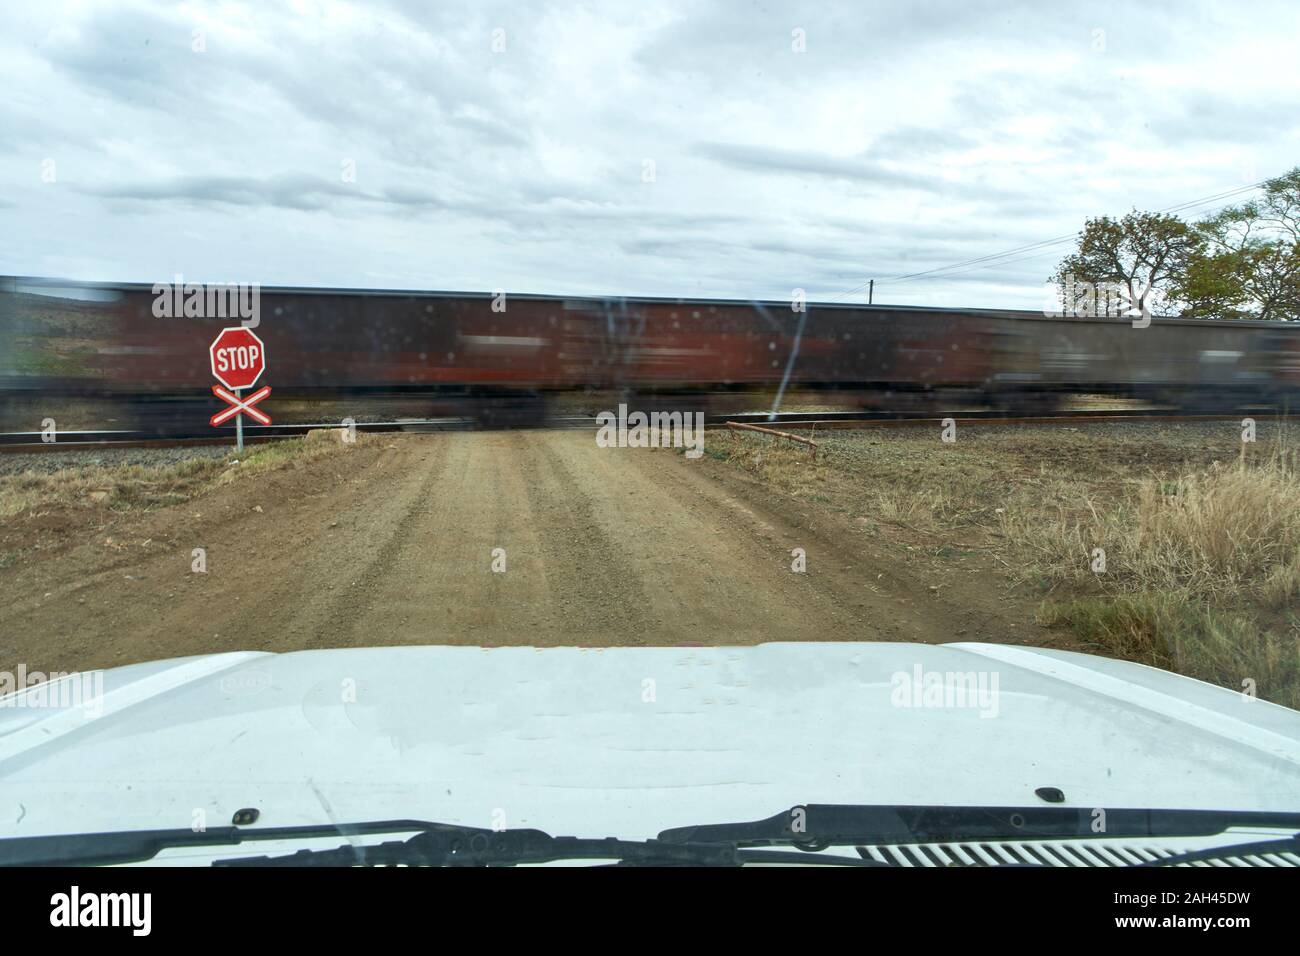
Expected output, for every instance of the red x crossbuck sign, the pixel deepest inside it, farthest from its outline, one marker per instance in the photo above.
(240, 406)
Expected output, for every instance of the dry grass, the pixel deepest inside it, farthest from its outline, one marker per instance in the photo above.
(1223, 647)
(123, 487)
(291, 453)
(909, 478)
(1228, 532)
(138, 487)
(1196, 570)
(1201, 538)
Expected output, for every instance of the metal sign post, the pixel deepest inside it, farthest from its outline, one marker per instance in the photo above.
(239, 426)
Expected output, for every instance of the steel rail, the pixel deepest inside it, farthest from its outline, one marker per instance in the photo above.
(83, 439)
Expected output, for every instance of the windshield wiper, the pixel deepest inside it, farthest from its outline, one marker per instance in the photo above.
(438, 847)
(1289, 844)
(809, 828)
(817, 826)
(432, 844)
(446, 845)
(136, 846)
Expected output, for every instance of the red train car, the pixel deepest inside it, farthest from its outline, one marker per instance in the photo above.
(501, 357)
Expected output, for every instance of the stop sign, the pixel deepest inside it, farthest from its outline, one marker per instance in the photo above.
(238, 357)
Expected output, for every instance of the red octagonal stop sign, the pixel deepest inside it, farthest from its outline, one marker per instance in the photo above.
(238, 357)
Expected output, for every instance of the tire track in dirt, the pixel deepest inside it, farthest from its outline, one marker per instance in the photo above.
(708, 578)
(312, 589)
(392, 521)
(588, 561)
(393, 543)
(434, 581)
(98, 607)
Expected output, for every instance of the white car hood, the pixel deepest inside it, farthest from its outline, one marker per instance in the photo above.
(628, 741)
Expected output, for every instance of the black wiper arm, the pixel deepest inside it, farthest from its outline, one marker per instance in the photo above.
(135, 846)
(820, 825)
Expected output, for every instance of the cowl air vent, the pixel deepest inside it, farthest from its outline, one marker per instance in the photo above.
(1082, 853)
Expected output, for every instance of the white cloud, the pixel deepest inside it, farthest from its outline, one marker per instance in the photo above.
(904, 138)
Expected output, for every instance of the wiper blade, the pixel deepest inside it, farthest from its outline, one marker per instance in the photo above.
(817, 826)
(1289, 844)
(433, 844)
(514, 847)
(442, 845)
(812, 827)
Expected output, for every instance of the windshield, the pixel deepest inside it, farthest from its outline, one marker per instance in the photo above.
(584, 421)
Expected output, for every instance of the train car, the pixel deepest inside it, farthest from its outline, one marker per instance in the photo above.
(110, 344)
(144, 348)
(1194, 364)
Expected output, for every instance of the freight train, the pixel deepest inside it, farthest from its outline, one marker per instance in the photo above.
(502, 358)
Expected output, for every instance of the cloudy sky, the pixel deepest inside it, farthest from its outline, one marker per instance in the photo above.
(703, 149)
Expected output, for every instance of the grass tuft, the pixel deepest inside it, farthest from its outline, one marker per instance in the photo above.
(1221, 647)
(1225, 533)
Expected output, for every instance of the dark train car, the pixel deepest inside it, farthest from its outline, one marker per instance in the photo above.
(1027, 361)
(1282, 350)
(1195, 364)
(685, 344)
(898, 350)
(669, 345)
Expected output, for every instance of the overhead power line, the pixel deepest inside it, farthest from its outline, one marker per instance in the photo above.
(1005, 257)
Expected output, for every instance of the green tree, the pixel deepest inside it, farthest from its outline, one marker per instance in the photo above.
(1248, 265)
(1144, 256)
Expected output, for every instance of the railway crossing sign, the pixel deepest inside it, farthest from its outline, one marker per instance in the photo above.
(238, 360)
(241, 406)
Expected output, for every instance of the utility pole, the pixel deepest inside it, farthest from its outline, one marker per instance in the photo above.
(871, 291)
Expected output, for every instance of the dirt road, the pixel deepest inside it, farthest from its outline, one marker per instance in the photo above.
(393, 542)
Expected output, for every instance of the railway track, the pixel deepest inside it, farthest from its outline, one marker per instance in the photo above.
(89, 439)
